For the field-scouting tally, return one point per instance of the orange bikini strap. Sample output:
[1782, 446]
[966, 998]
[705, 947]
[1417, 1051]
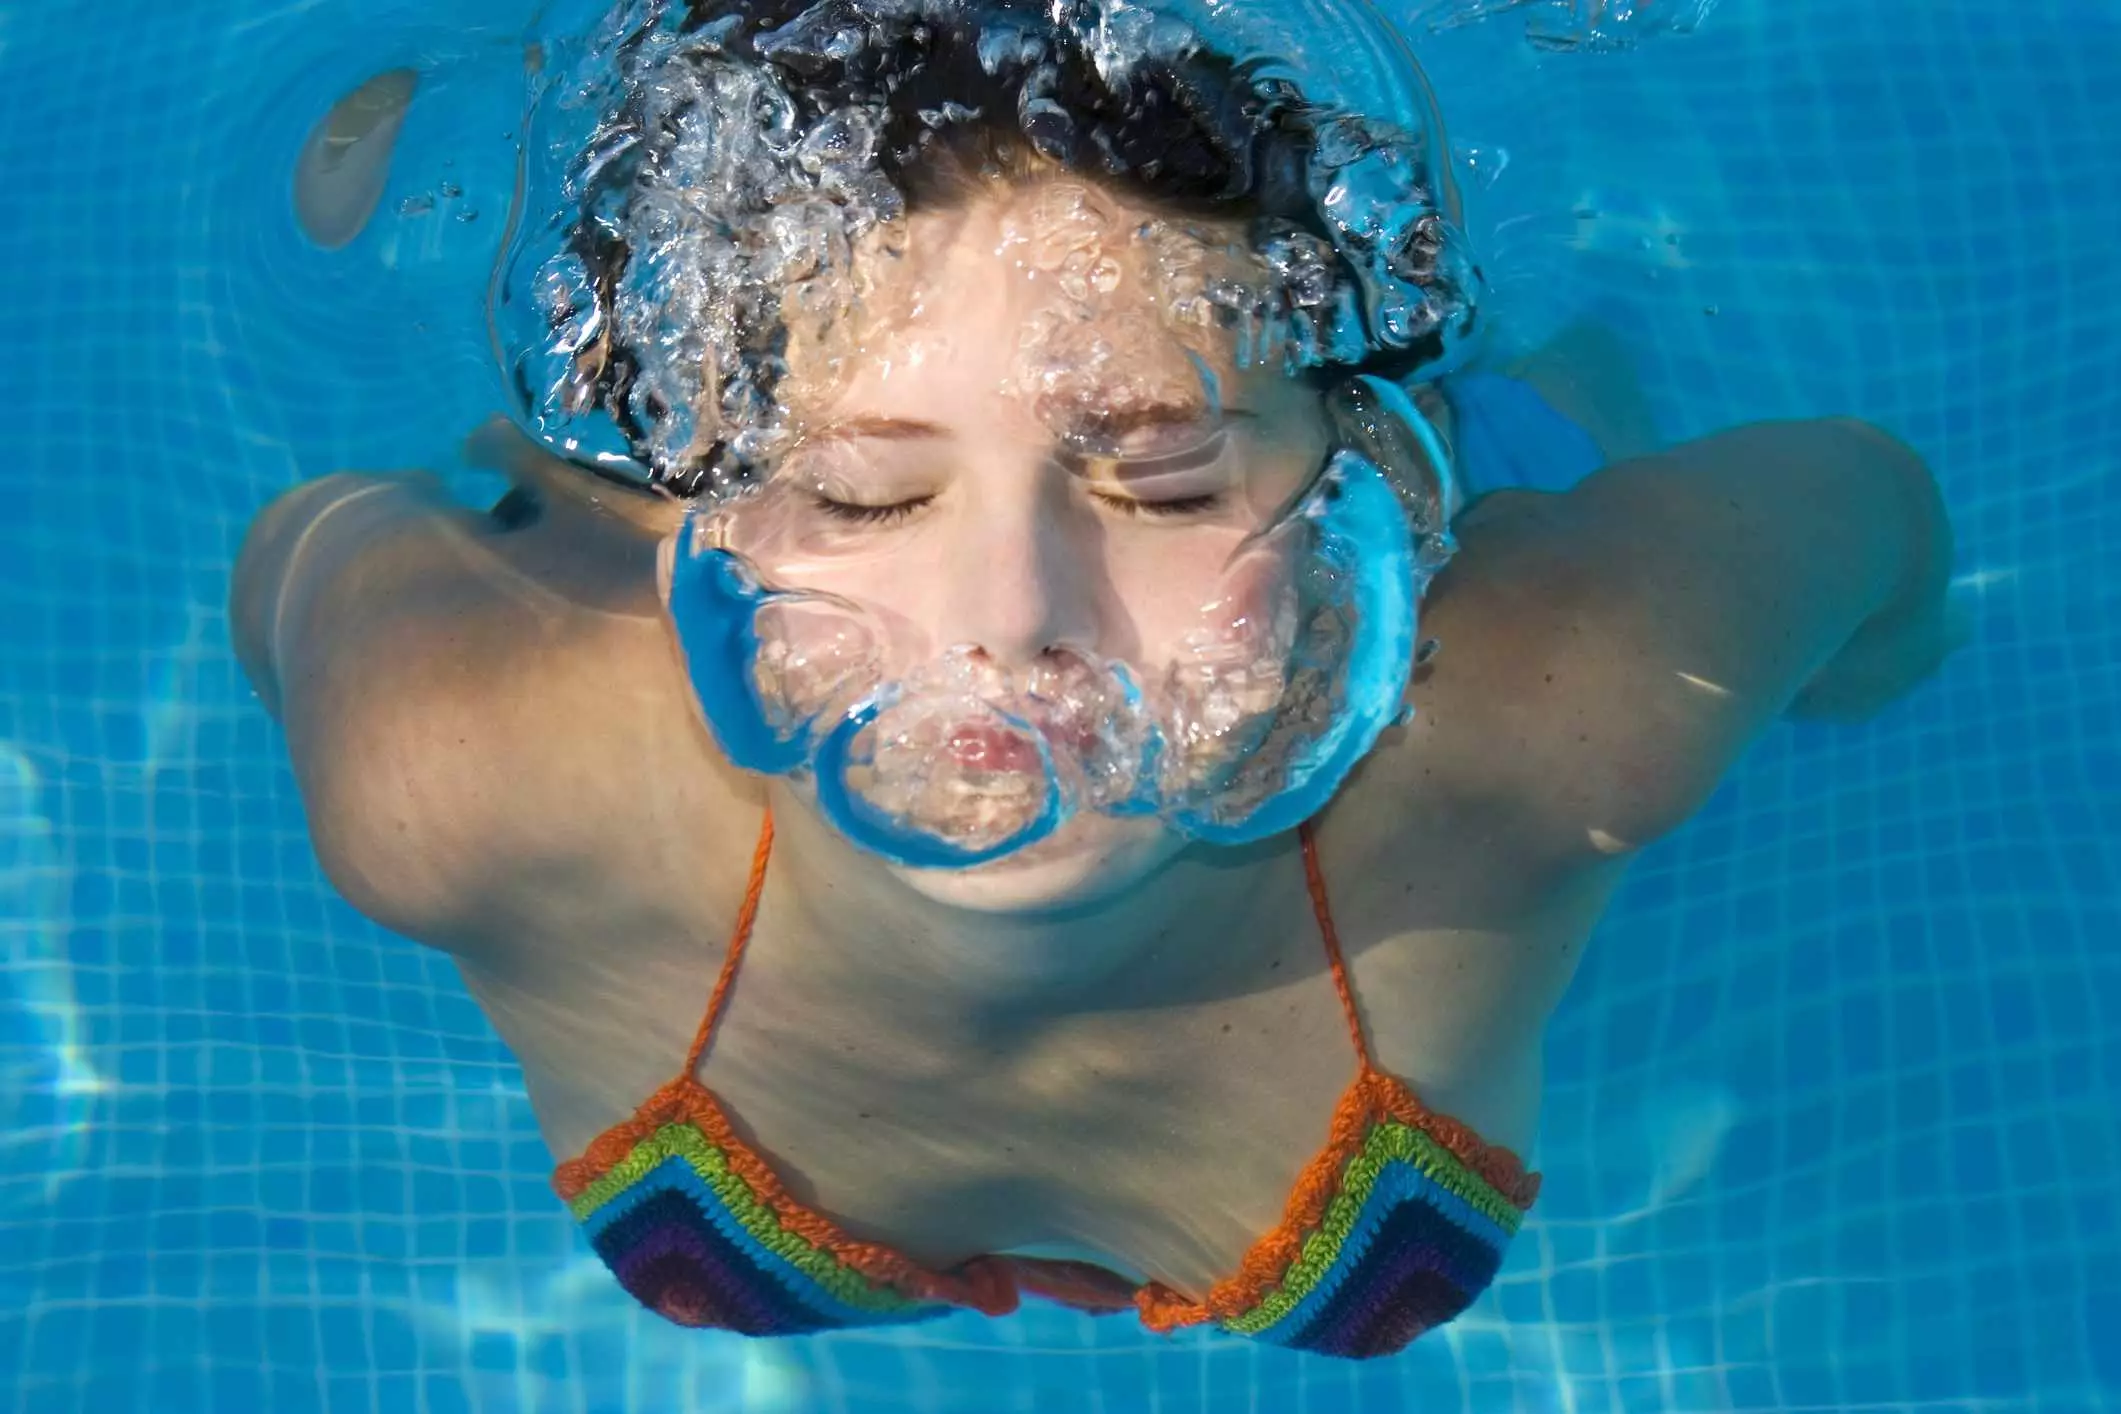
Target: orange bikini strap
[1315, 878]
[746, 916]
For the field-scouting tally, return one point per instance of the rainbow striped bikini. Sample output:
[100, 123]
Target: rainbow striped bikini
[1396, 1225]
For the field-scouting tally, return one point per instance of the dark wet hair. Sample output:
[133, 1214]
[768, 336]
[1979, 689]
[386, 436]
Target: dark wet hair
[969, 92]
[973, 85]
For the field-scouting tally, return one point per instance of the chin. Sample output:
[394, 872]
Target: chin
[1083, 864]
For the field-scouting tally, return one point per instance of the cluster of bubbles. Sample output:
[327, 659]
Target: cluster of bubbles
[720, 166]
[1288, 676]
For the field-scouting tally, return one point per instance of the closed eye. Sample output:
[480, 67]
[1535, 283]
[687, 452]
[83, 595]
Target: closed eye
[1181, 506]
[854, 513]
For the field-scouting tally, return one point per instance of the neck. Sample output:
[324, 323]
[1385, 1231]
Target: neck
[856, 927]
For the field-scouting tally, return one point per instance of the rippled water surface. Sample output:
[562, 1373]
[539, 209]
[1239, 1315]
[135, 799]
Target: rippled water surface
[1832, 1111]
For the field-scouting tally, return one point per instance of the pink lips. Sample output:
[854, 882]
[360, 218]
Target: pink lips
[982, 746]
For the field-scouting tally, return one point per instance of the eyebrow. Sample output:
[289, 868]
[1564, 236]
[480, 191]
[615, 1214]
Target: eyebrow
[1105, 423]
[885, 429]
[1111, 422]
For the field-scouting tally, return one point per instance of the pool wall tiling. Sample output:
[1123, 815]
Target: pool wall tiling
[1834, 1110]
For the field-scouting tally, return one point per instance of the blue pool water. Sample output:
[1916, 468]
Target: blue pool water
[1834, 1110]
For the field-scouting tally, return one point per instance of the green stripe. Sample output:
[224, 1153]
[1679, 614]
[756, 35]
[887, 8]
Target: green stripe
[1387, 1142]
[760, 1222]
[1427, 1153]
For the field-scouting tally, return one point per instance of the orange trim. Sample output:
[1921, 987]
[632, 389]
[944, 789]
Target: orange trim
[992, 1284]
[1315, 881]
[1374, 1096]
[984, 1283]
[746, 915]
[1390, 1096]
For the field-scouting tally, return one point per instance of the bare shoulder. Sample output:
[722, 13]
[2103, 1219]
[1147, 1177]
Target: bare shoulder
[478, 715]
[1606, 654]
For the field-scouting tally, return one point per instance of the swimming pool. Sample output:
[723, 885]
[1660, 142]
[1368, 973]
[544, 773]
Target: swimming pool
[1834, 1112]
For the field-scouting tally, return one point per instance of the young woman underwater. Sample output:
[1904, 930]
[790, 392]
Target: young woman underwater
[1044, 782]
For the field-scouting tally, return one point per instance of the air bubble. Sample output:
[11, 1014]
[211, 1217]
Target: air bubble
[703, 193]
[1484, 164]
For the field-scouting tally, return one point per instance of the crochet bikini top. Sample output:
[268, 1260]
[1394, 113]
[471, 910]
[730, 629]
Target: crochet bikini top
[1393, 1228]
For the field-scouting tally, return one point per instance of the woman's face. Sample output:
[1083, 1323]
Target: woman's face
[1013, 449]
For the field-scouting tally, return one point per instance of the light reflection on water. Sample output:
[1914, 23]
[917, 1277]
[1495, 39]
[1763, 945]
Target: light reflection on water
[1654, 1276]
[42, 1050]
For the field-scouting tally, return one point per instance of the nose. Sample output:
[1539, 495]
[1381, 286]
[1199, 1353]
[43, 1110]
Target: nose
[1024, 578]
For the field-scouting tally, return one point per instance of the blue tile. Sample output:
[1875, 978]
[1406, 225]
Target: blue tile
[1891, 944]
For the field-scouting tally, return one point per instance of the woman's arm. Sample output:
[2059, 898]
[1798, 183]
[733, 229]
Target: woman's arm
[477, 706]
[1609, 652]
[305, 537]
[345, 599]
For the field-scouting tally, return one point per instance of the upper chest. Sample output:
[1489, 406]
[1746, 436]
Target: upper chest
[1169, 1137]
[1169, 1134]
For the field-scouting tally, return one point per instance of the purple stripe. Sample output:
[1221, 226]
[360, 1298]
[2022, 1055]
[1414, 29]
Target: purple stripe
[1373, 1290]
[1420, 1265]
[1424, 1301]
[676, 1254]
[672, 1205]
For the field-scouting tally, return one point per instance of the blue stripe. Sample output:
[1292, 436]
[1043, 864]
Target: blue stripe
[1420, 1272]
[1400, 1182]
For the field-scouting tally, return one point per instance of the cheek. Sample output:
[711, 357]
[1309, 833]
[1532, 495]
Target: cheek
[866, 579]
[1161, 595]
[871, 613]
[1256, 614]
[1201, 594]
[811, 656]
